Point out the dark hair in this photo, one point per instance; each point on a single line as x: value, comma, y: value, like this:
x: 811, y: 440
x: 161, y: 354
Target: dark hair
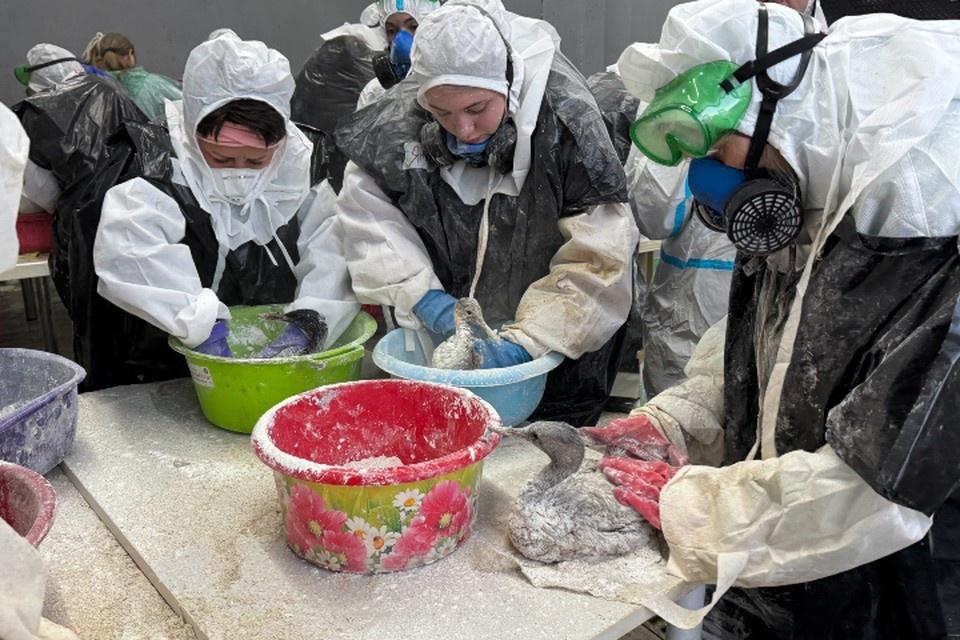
x: 253, y: 114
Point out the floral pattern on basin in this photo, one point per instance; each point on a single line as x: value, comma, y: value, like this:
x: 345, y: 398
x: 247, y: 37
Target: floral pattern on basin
x: 376, y: 529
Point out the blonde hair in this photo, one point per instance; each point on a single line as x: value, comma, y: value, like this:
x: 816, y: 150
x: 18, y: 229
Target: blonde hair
x: 106, y: 51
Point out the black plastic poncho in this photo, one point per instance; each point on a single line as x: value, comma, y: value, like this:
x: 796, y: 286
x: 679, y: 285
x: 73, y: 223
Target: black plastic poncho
x: 327, y: 89
x: 875, y: 375
x: 573, y: 169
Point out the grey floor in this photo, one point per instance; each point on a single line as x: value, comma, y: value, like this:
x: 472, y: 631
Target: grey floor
x: 18, y: 331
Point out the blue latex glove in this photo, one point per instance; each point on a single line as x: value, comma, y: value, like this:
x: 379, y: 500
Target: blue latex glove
x: 216, y: 344
x: 292, y: 341
x: 435, y: 310
x: 501, y: 353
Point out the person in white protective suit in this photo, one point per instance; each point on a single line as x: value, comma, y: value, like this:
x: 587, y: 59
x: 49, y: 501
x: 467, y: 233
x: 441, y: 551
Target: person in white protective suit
x: 398, y: 20
x: 489, y: 172
x: 691, y: 286
x: 820, y: 416
x: 14, y: 149
x: 228, y: 217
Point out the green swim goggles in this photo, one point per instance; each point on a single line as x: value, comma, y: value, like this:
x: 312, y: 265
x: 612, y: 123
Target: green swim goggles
x: 690, y: 113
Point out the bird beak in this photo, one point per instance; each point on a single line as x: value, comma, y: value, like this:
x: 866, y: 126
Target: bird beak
x: 512, y: 432
x: 490, y: 332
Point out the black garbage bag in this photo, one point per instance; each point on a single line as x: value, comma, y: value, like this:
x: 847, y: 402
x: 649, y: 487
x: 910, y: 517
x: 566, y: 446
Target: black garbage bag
x: 327, y: 89
x: 69, y: 129
x: 875, y: 375
x: 574, y: 168
x: 917, y: 9
x: 618, y: 108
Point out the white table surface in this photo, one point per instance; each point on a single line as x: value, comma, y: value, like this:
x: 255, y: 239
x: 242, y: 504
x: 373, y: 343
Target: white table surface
x: 199, y: 514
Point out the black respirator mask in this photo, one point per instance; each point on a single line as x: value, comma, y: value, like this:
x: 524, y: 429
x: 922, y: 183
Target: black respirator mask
x: 760, y: 210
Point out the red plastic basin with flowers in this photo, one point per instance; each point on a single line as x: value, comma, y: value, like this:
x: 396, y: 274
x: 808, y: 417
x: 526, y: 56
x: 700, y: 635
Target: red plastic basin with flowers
x: 27, y: 501
x: 342, y: 508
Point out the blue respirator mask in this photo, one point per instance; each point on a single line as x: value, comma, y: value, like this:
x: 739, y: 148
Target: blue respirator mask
x: 393, y: 65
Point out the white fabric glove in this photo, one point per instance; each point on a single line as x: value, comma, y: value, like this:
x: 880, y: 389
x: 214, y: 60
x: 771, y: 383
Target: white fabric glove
x: 14, y: 147
x: 387, y: 260
x: 586, y: 297
x: 322, y: 280
x: 142, y: 268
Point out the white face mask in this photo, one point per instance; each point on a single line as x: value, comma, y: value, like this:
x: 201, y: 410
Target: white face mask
x: 239, y: 186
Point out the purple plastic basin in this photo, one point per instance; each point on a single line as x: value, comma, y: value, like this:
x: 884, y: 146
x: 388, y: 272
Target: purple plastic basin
x: 38, y: 407
x: 27, y: 501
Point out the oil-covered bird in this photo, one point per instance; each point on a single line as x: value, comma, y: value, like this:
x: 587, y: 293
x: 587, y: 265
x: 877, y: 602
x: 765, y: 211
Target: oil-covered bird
x: 568, y: 511
x: 459, y: 350
x: 306, y: 332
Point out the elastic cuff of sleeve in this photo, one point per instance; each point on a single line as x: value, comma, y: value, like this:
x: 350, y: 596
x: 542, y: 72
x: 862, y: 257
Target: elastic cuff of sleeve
x: 195, y: 321
x: 514, y: 334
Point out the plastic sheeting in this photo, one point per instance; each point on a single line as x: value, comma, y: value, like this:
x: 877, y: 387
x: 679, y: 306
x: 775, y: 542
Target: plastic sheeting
x: 574, y: 169
x: 618, y: 107
x: 881, y: 401
x: 148, y: 90
x: 328, y: 87
x: 70, y: 130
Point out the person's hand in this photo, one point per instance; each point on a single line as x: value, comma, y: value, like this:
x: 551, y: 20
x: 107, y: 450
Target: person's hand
x: 499, y: 353
x: 292, y: 341
x: 637, y: 437
x: 638, y: 484
x: 306, y: 332
x: 216, y: 344
x: 435, y: 310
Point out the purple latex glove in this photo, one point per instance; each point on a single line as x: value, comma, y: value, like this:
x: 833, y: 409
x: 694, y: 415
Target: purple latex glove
x: 216, y: 344
x: 292, y: 341
x: 501, y: 353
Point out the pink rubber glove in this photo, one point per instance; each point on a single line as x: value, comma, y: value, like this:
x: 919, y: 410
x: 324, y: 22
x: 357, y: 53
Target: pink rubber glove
x: 638, y: 484
x: 636, y: 437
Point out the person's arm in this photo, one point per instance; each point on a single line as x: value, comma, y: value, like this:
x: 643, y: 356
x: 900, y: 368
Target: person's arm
x: 14, y: 147
x: 658, y: 195
x: 387, y: 261
x: 142, y: 268
x: 322, y: 280
x: 40, y: 189
x: 796, y: 518
x: 585, y: 298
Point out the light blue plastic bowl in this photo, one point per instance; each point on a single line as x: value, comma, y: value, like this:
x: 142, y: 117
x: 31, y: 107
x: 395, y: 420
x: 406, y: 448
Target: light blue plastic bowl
x: 513, y: 391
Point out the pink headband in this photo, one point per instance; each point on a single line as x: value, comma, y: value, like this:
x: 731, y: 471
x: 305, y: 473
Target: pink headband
x: 235, y: 135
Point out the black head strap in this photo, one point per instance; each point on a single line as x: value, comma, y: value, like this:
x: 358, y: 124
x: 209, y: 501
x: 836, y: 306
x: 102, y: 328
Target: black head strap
x: 50, y: 63
x: 772, y: 91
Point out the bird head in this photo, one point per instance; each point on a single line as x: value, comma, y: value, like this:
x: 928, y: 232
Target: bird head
x: 560, y: 441
x: 312, y: 324
x: 467, y: 312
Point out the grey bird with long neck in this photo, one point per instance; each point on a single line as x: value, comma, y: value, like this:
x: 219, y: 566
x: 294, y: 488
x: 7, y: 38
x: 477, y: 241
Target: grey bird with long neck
x: 567, y: 511
x: 458, y: 351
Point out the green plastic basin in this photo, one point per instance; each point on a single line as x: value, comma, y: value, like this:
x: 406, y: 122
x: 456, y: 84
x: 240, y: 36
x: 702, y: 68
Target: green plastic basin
x: 235, y: 392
